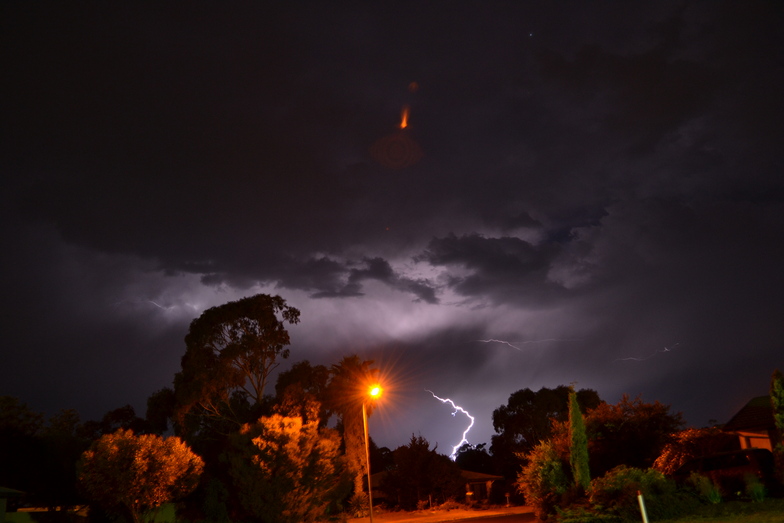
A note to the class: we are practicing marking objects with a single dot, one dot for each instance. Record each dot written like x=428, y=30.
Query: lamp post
x=374, y=392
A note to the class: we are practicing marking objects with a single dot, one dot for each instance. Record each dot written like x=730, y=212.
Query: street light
x=374, y=392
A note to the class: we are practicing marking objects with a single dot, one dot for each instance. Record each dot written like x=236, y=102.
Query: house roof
x=473, y=477
x=9, y=492
x=377, y=479
x=757, y=414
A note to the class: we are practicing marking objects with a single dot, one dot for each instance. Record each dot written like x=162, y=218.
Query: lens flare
x=396, y=151
x=404, y=117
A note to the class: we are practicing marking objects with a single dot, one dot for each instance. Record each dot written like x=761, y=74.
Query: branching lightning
x=170, y=307
x=457, y=409
x=660, y=351
x=525, y=342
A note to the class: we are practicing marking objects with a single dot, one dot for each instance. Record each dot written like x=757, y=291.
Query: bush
x=543, y=479
x=754, y=488
x=706, y=489
x=583, y=515
x=615, y=493
x=359, y=505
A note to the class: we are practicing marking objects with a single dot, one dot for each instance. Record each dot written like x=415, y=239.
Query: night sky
x=585, y=192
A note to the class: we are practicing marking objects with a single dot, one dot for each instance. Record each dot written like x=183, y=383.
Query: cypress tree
x=777, y=404
x=578, y=449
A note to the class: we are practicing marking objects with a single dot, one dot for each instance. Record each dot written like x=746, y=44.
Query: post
x=367, y=459
x=642, y=507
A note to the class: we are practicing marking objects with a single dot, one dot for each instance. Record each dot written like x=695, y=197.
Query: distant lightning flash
x=665, y=349
x=170, y=307
x=457, y=409
x=525, y=342
x=500, y=341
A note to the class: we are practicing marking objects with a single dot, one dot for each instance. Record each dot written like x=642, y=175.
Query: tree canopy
x=474, y=458
x=135, y=474
x=346, y=393
x=578, y=448
x=631, y=433
x=692, y=443
x=527, y=419
x=420, y=473
x=286, y=470
x=230, y=352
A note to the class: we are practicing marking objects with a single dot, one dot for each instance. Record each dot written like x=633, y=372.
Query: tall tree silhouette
x=230, y=352
x=347, y=390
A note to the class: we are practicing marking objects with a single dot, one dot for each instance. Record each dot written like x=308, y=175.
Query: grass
x=768, y=511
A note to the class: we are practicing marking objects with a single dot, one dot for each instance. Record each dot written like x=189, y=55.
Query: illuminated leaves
x=286, y=470
x=138, y=473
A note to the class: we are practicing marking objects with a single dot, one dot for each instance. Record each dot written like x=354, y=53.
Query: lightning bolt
x=500, y=341
x=457, y=409
x=170, y=307
x=525, y=342
x=665, y=349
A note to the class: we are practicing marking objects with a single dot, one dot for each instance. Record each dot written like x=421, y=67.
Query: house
x=754, y=424
x=478, y=485
x=6, y=493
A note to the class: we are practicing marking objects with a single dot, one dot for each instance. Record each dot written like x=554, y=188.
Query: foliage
x=768, y=511
x=689, y=444
x=230, y=351
x=420, y=472
x=160, y=410
x=138, y=473
x=346, y=392
x=285, y=470
x=580, y=514
x=578, y=449
x=215, y=510
x=40, y=459
x=303, y=383
x=475, y=458
x=631, y=433
x=616, y=493
x=120, y=418
x=777, y=403
x=527, y=419
x=17, y=417
x=755, y=489
x=543, y=479
x=381, y=458
x=358, y=505
x=705, y=487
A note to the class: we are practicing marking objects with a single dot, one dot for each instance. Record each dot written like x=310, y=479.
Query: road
x=510, y=518
x=490, y=515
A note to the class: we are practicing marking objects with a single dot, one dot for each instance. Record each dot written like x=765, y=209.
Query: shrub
x=359, y=505
x=754, y=488
x=706, y=489
x=543, y=480
x=615, y=493
x=583, y=515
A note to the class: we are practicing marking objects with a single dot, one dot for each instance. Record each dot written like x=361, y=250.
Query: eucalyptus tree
x=230, y=352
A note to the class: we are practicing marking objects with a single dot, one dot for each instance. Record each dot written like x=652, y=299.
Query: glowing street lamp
x=374, y=392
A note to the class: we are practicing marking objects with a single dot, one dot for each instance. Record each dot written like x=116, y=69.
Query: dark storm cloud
x=646, y=95
x=504, y=265
x=380, y=270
